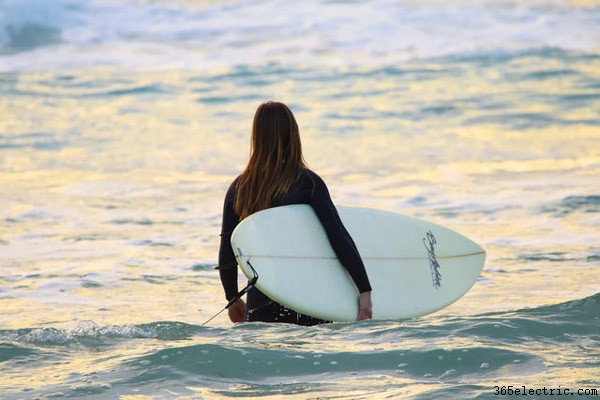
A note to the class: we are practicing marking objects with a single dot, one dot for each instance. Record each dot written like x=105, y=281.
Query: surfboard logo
x=429, y=242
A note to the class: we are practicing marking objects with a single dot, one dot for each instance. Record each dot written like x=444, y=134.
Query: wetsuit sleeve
x=227, y=264
x=341, y=241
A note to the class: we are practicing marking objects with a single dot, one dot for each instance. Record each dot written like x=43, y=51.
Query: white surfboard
x=415, y=267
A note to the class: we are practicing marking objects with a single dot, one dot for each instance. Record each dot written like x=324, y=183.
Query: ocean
x=122, y=123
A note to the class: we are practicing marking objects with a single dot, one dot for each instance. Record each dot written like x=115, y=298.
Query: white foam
x=160, y=34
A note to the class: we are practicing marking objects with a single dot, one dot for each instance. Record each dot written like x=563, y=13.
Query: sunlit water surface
x=123, y=123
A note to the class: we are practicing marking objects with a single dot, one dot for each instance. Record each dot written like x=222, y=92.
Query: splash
x=89, y=333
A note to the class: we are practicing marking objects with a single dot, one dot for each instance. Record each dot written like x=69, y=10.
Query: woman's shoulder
x=310, y=174
x=232, y=188
x=236, y=180
x=313, y=178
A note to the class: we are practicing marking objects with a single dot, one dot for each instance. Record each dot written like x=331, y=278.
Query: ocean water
x=122, y=123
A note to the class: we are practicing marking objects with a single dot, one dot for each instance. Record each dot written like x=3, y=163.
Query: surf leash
x=242, y=292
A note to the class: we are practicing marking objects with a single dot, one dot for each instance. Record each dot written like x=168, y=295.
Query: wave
x=572, y=204
x=221, y=361
x=162, y=33
x=576, y=317
x=562, y=322
x=89, y=333
x=258, y=359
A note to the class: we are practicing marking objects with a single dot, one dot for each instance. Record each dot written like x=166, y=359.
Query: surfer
x=277, y=175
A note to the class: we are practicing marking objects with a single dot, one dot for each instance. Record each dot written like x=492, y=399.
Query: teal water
x=455, y=356
x=123, y=123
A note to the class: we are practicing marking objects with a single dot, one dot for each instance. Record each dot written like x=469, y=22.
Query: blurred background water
x=122, y=122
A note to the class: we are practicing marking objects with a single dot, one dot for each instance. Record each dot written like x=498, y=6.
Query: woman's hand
x=237, y=311
x=365, y=307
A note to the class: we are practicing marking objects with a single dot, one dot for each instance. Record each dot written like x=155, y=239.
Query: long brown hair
x=276, y=160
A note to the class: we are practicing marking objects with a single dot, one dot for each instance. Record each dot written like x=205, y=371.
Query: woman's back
x=276, y=175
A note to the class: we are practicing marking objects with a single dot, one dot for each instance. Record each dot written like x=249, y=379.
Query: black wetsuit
x=308, y=189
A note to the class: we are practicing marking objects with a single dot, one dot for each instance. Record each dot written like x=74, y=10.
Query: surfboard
x=415, y=267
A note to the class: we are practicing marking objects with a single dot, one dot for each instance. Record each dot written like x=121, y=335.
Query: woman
x=277, y=175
